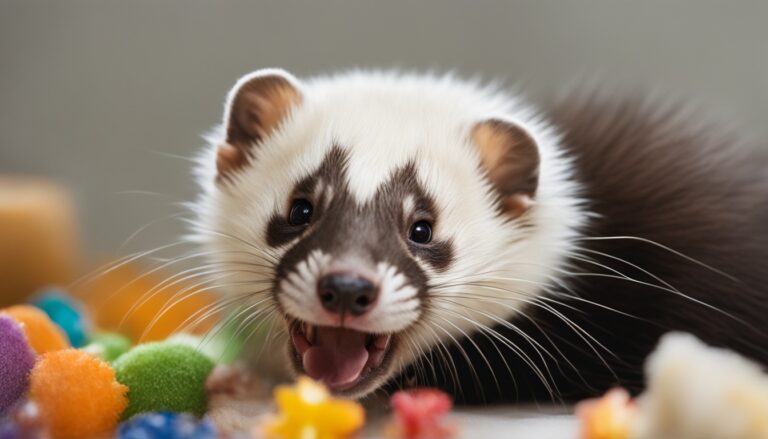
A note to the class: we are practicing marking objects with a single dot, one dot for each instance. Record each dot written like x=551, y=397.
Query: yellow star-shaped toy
x=307, y=411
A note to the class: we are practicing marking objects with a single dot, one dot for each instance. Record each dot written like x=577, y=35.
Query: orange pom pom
x=43, y=335
x=77, y=394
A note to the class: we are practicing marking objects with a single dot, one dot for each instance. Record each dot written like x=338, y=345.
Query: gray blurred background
x=103, y=95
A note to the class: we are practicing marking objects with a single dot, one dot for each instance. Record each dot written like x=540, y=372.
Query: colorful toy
x=307, y=410
x=9, y=429
x=164, y=376
x=608, y=417
x=77, y=394
x=42, y=334
x=418, y=414
x=16, y=361
x=23, y=421
x=66, y=313
x=167, y=425
x=108, y=346
x=695, y=391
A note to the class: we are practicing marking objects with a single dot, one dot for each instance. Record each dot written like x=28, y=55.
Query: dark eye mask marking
x=374, y=232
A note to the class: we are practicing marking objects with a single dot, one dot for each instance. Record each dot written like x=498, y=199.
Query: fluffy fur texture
x=633, y=211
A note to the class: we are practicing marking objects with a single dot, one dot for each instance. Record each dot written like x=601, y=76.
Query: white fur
x=385, y=120
x=396, y=309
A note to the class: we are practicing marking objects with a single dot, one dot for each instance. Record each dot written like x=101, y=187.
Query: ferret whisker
x=486, y=330
x=169, y=282
x=422, y=356
x=248, y=316
x=190, y=292
x=442, y=349
x=472, y=342
x=519, y=296
x=685, y=296
x=220, y=326
x=507, y=324
x=208, y=311
x=664, y=247
x=253, y=316
x=635, y=266
x=578, y=330
x=499, y=301
x=268, y=319
x=430, y=324
x=260, y=251
x=114, y=265
x=146, y=226
x=166, y=264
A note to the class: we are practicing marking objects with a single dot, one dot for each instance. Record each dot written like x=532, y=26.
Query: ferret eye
x=301, y=212
x=421, y=232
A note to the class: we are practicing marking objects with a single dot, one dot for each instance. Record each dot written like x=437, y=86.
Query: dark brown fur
x=666, y=181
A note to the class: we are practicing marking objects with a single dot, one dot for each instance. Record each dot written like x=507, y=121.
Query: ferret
x=424, y=230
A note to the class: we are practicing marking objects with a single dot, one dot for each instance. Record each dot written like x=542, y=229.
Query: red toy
x=418, y=414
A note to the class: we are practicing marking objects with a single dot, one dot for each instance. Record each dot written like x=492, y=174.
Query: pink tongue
x=337, y=356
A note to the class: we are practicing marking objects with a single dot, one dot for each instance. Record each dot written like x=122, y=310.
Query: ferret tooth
x=309, y=332
x=382, y=341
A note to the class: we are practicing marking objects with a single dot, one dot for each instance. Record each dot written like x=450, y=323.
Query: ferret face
x=379, y=215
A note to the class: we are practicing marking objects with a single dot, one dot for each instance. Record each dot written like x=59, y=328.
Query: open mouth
x=341, y=358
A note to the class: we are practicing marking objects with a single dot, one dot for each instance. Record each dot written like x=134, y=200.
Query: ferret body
x=419, y=230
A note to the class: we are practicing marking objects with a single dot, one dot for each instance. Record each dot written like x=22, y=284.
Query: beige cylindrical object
x=38, y=237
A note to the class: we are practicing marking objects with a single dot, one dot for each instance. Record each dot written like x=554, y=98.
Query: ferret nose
x=347, y=292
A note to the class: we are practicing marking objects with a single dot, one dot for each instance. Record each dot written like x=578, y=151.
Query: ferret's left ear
x=255, y=107
x=510, y=158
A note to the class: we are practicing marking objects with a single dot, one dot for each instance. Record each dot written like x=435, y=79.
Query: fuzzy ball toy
x=164, y=376
x=16, y=360
x=108, y=346
x=43, y=335
x=167, y=425
x=77, y=394
x=66, y=313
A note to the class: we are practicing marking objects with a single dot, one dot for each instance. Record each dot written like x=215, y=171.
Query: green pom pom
x=164, y=377
x=108, y=346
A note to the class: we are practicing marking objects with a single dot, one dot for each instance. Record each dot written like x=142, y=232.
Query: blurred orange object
x=608, y=417
x=144, y=305
x=38, y=237
x=43, y=335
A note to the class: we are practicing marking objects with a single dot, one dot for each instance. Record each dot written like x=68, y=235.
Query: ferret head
x=379, y=214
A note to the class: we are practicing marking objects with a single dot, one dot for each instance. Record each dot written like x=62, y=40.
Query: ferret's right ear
x=255, y=107
x=510, y=157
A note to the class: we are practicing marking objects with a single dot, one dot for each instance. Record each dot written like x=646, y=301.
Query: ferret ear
x=255, y=107
x=510, y=158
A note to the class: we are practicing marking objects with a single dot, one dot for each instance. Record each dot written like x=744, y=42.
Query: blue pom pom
x=166, y=425
x=66, y=313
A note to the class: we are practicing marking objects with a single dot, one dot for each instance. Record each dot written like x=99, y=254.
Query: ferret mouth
x=343, y=359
